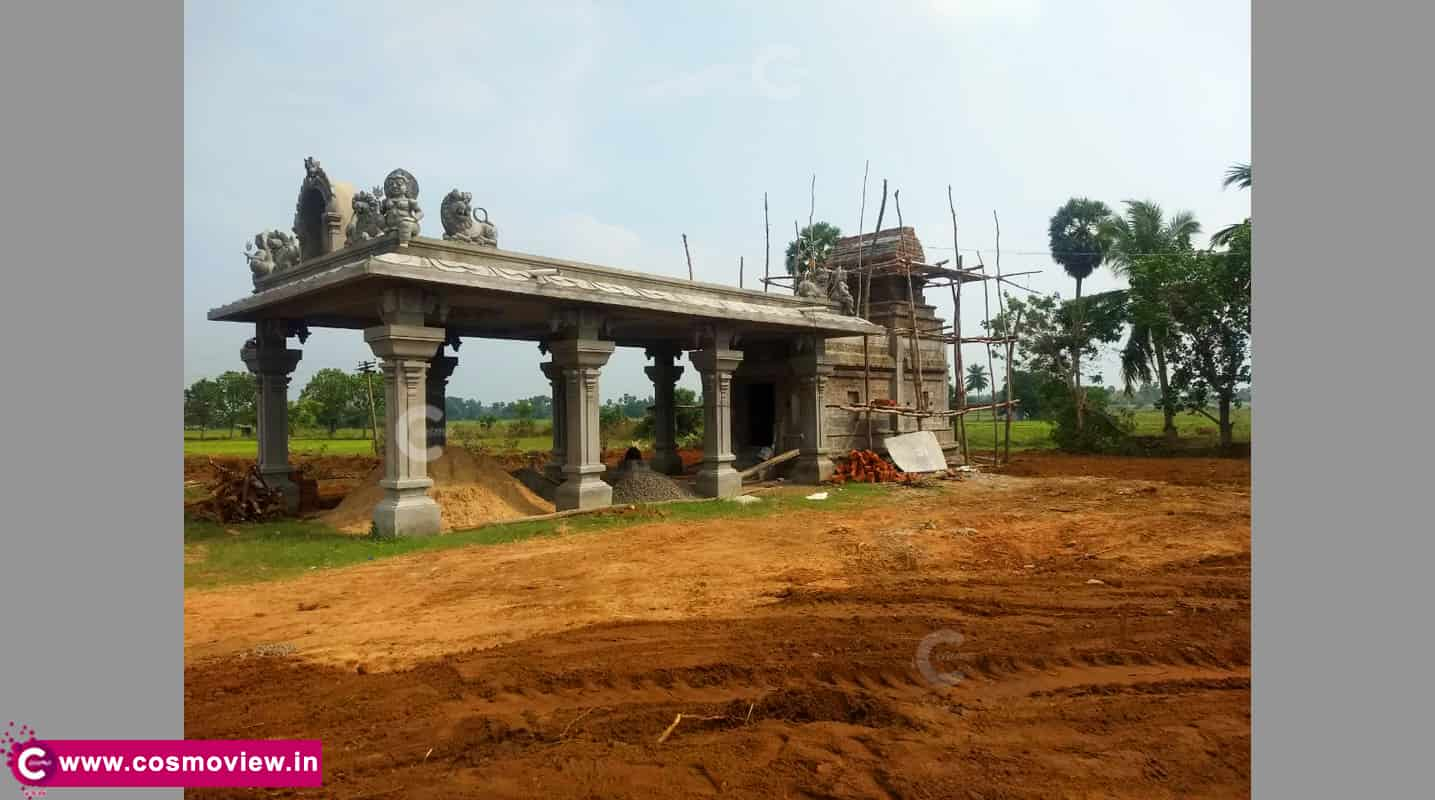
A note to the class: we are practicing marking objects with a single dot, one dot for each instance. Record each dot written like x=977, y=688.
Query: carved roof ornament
x=461, y=222
x=368, y=221
x=271, y=252
x=321, y=212
x=400, y=205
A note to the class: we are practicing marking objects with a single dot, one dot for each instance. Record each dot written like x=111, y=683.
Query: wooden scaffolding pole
x=991, y=371
x=914, y=346
x=1001, y=314
x=767, y=244
x=960, y=387
x=866, y=314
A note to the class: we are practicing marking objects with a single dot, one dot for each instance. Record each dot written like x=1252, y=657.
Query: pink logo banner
x=56, y=763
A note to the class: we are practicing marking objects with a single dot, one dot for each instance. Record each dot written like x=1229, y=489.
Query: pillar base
x=583, y=489
x=718, y=480
x=667, y=462
x=406, y=511
x=278, y=478
x=812, y=468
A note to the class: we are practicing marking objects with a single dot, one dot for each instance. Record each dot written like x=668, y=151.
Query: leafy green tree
x=239, y=397
x=1078, y=244
x=976, y=378
x=1140, y=246
x=301, y=415
x=488, y=421
x=203, y=404
x=1049, y=342
x=814, y=242
x=1212, y=315
x=335, y=398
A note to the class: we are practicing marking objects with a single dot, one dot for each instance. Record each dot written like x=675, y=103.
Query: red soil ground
x=1104, y=606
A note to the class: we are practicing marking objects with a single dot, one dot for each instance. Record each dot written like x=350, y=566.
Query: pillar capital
x=715, y=360
x=409, y=306
x=573, y=353
x=404, y=342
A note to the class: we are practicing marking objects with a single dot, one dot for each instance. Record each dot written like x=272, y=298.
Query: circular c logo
x=35, y=764
x=924, y=657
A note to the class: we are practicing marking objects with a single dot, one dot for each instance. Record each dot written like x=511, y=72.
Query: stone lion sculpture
x=368, y=221
x=461, y=224
x=270, y=252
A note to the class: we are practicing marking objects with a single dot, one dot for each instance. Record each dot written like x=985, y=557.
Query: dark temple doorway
x=761, y=414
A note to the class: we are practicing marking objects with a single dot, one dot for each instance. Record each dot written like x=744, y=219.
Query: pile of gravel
x=634, y=482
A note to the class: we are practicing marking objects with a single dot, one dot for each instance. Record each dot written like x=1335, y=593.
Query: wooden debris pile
x=238, y=495
x=865, y=466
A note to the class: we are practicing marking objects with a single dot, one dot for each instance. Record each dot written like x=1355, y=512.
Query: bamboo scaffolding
x=906, y=411
x=866, y=313
x=914, y=346
x=991, y=371
x=767, y=244
x=866, y=364
x=959, y=386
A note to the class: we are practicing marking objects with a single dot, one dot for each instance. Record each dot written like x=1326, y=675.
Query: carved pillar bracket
x=665, y=374
x=405, y=350
x=581, y=360
x=271, y=362
x=811, y=371
x=554, y=468
x=715, y=363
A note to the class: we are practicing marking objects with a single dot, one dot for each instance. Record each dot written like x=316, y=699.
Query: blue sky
x=604, y=131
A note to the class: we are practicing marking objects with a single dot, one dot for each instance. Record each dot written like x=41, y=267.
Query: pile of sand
x=470, y=491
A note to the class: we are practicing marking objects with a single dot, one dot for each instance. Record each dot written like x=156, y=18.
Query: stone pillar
x=271, y=362
x=554, y=468
x=436, y=391
x=580, y=360
x=405, y=346
x=716, y=362
x=811, y=370
x=664, y=375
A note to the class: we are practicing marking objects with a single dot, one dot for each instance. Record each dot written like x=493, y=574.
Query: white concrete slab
x=918, y=451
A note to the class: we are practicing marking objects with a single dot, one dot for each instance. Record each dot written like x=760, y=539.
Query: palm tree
x=1239, y=175
x=816, y=240
x=976, y=378
x=1079, y=246
x=1138, y=245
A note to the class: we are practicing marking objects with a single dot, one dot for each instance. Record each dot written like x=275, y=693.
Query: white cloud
x=773, y=72
x=1017, y=11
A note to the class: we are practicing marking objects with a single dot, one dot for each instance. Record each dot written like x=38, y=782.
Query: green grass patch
x=218, y=555
x=1033, y=434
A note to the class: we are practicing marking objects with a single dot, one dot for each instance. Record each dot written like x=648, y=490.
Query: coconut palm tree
x=976, y=378
x=1239, y=175
x=1139, y=245
x=1079, y=246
